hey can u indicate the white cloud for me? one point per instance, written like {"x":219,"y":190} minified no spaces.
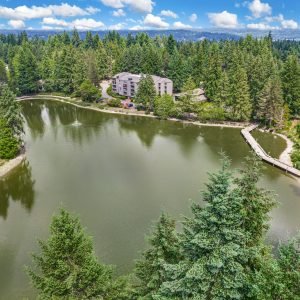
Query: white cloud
{"x":17,"y":24}
{"x":193,"y":17}
{"x":137,"y":27}
{"x":119,"y":13}
{"x":289,"y":24}
{"x":143,"y":6}
{"x":155,"y":21}
{"x":86,"y":24}
{"x":169,"y":13}
{"x":54,"y":21}
{"x":261,"y":26}
{"x":259,"y":8}
{"x":179,"y":25}
{"x":34,"y":12}
{"x":118,"y":26}
{"x":278,"y":18}
{"x":224,"y":19}
{"x":92,"y":10}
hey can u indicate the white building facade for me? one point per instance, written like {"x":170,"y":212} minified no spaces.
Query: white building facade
{"x":126,"y":84}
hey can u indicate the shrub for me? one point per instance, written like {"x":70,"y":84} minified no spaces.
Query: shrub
{"x":9,"y":144}
{"x":88,"y":92}
{"x":114,"y":103}
{"x":111,"y":93}
{"x":210,"y":112}
{"x":163,"y":106}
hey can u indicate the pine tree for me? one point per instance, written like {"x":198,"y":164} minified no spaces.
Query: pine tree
{"x":3,"y":72}
{"x":9,"y":144}
{"x":146,"y":92}
{"x":25,"y":70}
{"x":164,"y":248}
{"x":67,"y":267}
{"x":240,"y":97}
{"x":289,"y":265}
{"x":213,"y":245}
{"x":270,"y":103}
{"x":10,"y":111}
{"x":291,"y":83}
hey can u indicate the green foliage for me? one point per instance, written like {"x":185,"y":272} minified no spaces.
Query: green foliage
{"x":114,"y":102}
{"x":163,"y":106}
{"x":146,"y":91}
{"x":25,"y":72}
{"x":3,"y":72}
{"x":88,"y":92}
{"x":67,"y":267}
{"x":210,"y":111}
{"x":164,"y":249}
{"x":291,"y":83}
{"x":9,"y":144}
{"x":10,"y":111}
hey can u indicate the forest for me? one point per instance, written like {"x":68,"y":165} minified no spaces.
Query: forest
{"x":244,"y":80}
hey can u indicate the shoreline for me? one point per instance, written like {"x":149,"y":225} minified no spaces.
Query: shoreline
{"x":110,"y":111}
{"x":8,"y":166}
{"x":284,"y":157}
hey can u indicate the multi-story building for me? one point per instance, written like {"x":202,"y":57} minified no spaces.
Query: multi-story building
{"x":126,"y":84}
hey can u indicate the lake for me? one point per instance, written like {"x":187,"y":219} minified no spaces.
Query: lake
{"x":117,"y":173}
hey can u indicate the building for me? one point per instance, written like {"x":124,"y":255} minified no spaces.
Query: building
{"x":126,"y":84}
{"x":197,"y":95}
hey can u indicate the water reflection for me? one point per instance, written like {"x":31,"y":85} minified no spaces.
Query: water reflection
{"x":19,"y":187}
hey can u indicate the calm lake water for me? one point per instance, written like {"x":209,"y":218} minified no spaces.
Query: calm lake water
{"x":118,"y":173}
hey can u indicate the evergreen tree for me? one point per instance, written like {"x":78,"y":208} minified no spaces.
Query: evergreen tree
{"x":75,"y":39}
{"x":291,"y":83}
{"x":270,"y":103}
{"x":164,"y":248}
{"x":213,"y":244}
{"x":88,"y":92}
{"x":10,"y":111}
{"x":289,"y":268}
{"x":146,"y":92}
{"x":241,"y":107}
{"x":67,"y":267}
{"x":9,"y":144}
{"x":25,"y":70}
{"x":3,"y":72}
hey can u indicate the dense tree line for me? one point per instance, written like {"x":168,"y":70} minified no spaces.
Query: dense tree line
{"x":236,"y":75}
{"x":220,"y":253}
{"x":249,"y":79}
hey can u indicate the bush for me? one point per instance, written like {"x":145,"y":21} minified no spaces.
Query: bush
{"x":88,"y":92}
{"x":114,"y":103}
{"x":211,"y":112}
{"x":163,"y":106}
{"x":9,"y":144}
{"x":295,"y":157}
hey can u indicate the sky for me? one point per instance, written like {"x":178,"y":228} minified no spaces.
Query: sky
{"x":149,"y":14}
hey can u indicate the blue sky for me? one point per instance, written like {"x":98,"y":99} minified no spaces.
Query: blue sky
{"x":149,"y":14}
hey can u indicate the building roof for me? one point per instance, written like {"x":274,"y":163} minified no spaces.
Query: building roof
{"x":137,"y":77}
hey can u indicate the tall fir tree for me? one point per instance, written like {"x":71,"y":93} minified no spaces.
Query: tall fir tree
{"x":146,"y":92}
{"x":67,"y":267}
{"x":164,"y":249}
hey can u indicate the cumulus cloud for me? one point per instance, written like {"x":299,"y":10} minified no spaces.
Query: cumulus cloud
{"x":289,"y":24}
{"x":54,"y":21}
{"x":118,"y":26}
{"x":34,"y":12}
{"x":87,"y":24}
{"x":223,"y":19}
{"x":17,"y":24}
{"x":180,"y":25}
{"x":259,"y":8}
{"x":261,"y":26}
{"x":193,"y":17}
{"x":155,"y":21}
{"x":143,"y":6}
{"x":137,"y":27}
{"x":119,"y":13}
{"x":169,"y":13}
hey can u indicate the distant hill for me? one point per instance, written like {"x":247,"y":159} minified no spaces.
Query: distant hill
{"x":182,"y":35}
